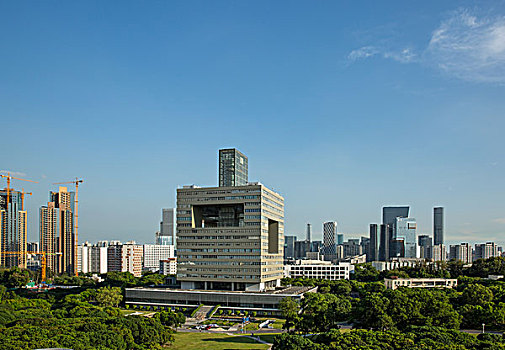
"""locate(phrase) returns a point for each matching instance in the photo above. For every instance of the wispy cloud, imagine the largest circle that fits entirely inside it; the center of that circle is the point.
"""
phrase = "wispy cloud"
(464, 45)
(405, 55)
(13, 173)
(499, 220)
(469, 47)
(362, 52)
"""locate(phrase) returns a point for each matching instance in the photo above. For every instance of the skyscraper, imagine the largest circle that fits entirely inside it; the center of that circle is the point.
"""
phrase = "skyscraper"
(405, 237)
(13, 222)
(374, 244)
(233, 168)
(330, 240)
(57, 231)
(389, 214)
(384, 243)
(309, 232)
(438, 225)
(166, 235)
(289, 247)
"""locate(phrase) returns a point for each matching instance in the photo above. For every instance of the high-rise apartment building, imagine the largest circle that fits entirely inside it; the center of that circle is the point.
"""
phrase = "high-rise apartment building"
(374, 243)
(166, 235)
(56, 231)
(486, 250)
(230, 238)
(154, 253)
(439, 252)
(340, 238)
(13, 230)
(233, 168)
(330, 240)
(438, 225)
(462, 252)
(125, 257)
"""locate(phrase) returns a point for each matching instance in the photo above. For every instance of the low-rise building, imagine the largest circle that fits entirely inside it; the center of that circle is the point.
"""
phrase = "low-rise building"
(393, 283)
(319, 269)
(168, 266)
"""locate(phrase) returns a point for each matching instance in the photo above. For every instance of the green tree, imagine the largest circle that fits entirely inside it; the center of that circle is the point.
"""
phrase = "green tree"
(109, 296)
(289, 309)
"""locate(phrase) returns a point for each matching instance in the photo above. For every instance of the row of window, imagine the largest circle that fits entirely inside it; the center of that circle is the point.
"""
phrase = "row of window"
(226, 250)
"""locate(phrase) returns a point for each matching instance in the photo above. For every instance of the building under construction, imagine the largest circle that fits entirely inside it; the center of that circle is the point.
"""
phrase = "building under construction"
(13, 229)
(57, 231)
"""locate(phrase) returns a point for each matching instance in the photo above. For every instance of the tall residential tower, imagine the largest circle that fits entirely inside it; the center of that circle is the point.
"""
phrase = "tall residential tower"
(13, 221)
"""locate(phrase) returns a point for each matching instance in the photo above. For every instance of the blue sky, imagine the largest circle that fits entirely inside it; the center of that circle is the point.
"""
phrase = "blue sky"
(342, 107)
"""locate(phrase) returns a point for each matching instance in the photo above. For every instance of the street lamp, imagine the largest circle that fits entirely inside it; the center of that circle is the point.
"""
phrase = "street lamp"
(483, 325)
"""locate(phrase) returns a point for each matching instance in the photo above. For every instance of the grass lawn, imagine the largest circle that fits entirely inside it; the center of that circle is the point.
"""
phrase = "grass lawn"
(269, 338)
(217, 341)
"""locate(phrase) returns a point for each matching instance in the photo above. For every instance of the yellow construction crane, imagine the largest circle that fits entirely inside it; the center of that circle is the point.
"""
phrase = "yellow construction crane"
(43, 262)
(76, 182)
(23, 198)
(9, 177)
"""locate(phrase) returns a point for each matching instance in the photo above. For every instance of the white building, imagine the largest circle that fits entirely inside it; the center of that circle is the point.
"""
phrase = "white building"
(168, 266)
(393, 283)
(319, 269)
(98, 259)
(154, 253)
(439, 252)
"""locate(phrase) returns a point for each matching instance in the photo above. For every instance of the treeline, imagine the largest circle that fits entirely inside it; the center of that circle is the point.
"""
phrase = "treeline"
(79, 319)
(371, 305)
(452, 269)
(414, 338)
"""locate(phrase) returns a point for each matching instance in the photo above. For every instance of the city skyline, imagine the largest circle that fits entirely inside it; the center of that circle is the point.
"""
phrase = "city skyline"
(341, 108)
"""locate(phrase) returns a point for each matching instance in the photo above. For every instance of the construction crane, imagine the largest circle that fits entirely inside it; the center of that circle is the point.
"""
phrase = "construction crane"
(76, 182)
(9, 177)
(43, 261)
(23, 198)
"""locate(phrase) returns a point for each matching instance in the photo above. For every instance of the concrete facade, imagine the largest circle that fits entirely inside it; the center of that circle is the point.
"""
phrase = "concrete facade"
(230, 238)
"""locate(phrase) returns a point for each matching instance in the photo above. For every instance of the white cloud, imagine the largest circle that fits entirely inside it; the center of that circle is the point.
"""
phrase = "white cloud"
(406, 55)
(469, 48)
(363, 52)
(12, 173)
(499, 220)
(464, 46)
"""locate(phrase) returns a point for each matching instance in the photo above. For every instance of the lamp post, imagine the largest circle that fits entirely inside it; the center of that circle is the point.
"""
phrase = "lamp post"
(483, 325)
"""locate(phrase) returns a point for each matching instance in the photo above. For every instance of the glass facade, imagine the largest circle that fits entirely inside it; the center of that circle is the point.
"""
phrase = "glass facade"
(233, 168)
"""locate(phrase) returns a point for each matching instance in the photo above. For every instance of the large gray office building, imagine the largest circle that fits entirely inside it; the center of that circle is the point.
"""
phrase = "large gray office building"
(230, 237)
(438, 225)
(233, 168)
